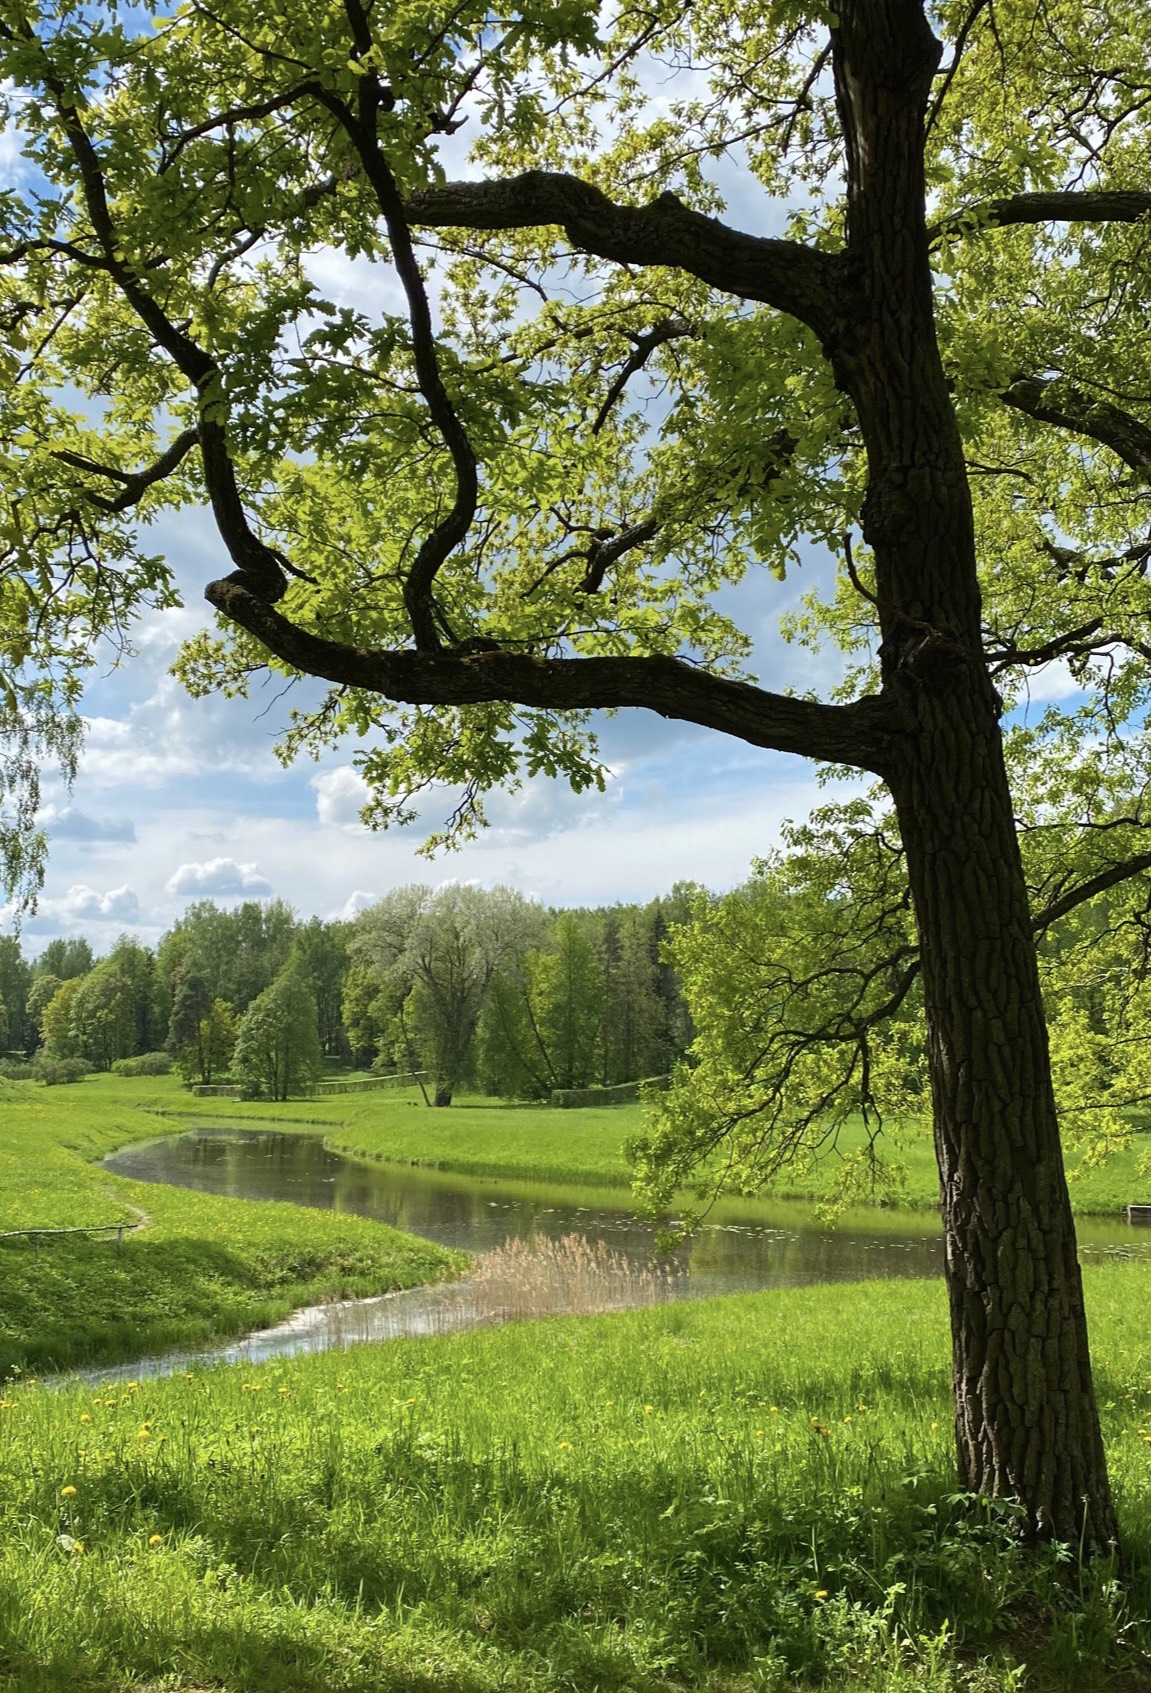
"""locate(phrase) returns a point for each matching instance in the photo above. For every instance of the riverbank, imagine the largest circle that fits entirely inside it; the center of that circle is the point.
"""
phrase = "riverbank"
(208, 1267)
(485, 1137)
(725, 1497)
(202, 1267)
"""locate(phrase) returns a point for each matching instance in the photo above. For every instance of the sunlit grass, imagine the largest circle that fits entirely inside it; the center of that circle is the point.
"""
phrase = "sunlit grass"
(752, 1493)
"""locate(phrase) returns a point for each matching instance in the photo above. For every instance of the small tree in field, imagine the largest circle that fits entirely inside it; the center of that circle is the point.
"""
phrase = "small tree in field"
(277, 1049)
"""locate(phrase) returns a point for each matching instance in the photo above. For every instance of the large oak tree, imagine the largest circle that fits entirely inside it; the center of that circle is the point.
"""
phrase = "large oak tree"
(482, 513)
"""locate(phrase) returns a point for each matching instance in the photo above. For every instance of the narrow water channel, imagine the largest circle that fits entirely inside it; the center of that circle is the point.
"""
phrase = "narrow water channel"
(739, 1249)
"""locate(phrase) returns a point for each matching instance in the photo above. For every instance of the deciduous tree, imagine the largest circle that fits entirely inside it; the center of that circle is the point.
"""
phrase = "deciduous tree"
(466, 518)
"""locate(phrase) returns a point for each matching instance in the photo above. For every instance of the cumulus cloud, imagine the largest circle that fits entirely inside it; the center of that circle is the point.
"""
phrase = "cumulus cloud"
(69, 824)
(82, 905)
(341, 795)
(218, 876)
(356, 902)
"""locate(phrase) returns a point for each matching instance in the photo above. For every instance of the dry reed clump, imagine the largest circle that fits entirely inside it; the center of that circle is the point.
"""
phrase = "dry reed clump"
(540, 1277)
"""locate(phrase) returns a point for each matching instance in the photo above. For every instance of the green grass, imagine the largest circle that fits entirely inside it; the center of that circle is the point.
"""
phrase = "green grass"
(201, 1266)
(722, 1496)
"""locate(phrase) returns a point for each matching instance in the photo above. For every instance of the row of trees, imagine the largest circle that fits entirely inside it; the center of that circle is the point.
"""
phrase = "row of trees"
(469, 985)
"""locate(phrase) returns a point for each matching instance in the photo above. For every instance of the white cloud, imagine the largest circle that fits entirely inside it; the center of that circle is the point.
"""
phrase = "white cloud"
(219, 876)
(341, 794)
(81, 906)
(356, 902)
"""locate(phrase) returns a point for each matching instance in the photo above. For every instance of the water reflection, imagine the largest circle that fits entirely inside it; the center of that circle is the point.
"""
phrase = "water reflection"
(741, 1248)
(784, 1247)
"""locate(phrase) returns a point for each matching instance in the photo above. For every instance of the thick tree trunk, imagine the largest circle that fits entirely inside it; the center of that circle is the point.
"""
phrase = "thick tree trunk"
(1026, 1425)
(1025, 1416)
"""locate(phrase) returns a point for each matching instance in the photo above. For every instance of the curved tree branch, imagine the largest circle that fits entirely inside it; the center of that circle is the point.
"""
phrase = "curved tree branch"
(861, 734)
(1068, 406)
(794, 278)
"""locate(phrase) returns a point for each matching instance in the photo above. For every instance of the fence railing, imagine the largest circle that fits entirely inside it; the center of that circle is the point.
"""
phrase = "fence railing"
(87, 1228)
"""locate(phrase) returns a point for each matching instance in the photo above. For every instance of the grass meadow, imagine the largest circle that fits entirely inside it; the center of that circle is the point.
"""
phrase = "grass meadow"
(748, 1495)
(720, 1496)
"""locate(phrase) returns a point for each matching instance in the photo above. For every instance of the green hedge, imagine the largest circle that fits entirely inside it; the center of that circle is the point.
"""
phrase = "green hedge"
(623, 1093)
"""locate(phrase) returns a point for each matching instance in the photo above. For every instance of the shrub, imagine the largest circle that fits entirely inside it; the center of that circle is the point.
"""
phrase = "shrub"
(621, 1093)
(53, 1071)
(144, 1064)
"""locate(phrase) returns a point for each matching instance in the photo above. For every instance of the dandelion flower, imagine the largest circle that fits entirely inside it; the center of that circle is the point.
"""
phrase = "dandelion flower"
(155, 1540)
(67, 1493)
(84, 1417)
(648, 1410)
(566, 1446)
(821, 1593)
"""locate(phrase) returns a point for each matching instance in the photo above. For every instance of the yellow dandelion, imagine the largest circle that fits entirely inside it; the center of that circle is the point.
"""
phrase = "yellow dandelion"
(566, 1446)
(77, 1548)
(84, 1417)
(821, 1593)
(935, 1428)
(67, 1493)
(155, 1540)
(648, 1410)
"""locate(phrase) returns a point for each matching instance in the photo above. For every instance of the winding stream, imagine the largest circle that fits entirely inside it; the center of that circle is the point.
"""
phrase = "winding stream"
(742, 1247)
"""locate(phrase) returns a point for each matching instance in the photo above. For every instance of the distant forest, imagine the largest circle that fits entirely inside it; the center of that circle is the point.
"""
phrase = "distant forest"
(476, 988)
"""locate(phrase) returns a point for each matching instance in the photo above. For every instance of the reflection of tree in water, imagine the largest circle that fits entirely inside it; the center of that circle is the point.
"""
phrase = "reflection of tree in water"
(480, 1215)
(770, 1257)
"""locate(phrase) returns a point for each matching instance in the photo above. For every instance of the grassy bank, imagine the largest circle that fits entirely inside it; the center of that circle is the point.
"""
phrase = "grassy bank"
(195, 1266)
(484, 1137)
(722, 1496)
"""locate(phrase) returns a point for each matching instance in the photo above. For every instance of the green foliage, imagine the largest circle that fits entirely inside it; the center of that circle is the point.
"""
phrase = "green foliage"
(55, 1069)
(144, 1064)
(431, 957)
(277, 1048)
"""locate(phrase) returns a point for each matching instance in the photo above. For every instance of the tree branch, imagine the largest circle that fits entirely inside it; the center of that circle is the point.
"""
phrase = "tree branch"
(860, 734)
(135, 482)
(1087, 205)
(1109, 878)
(1068, 406)
(671, 329)
(794, 278)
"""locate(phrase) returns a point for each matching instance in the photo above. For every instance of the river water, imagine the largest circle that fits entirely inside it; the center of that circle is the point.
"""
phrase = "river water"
(743, 1246)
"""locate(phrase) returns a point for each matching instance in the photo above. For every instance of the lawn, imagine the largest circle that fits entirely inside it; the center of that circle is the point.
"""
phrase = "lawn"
(722, 1496)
